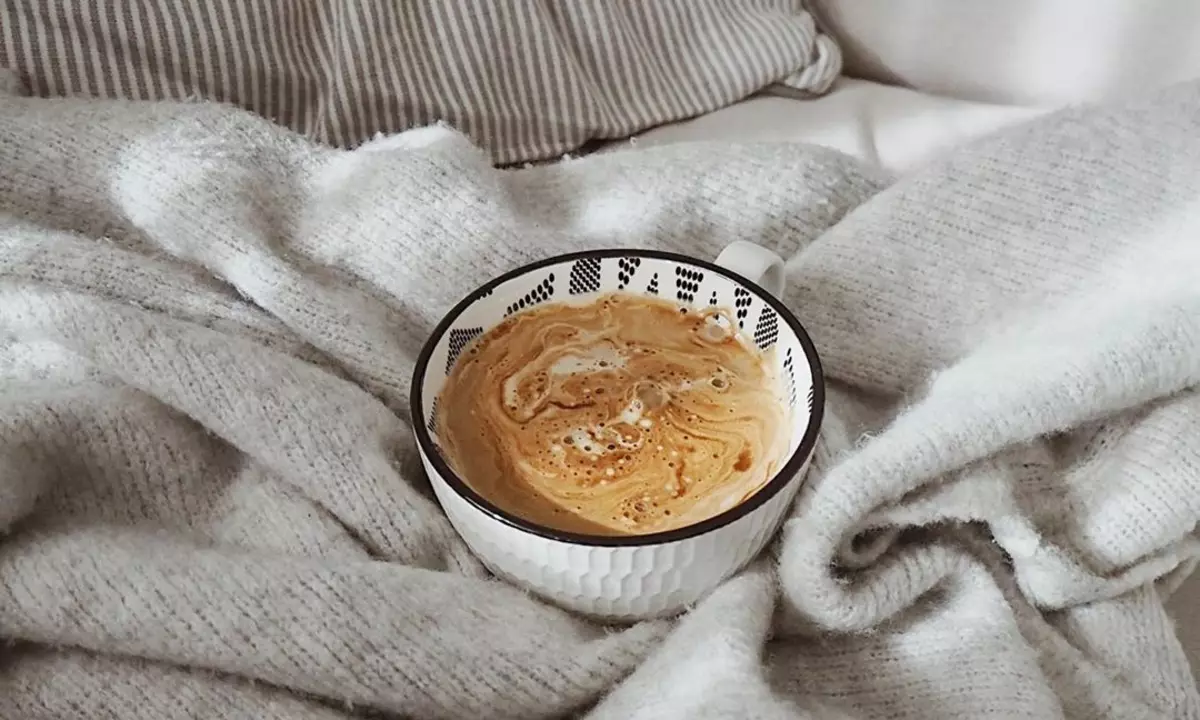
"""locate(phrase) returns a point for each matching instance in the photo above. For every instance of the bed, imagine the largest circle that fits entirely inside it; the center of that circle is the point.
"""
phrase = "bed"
(210, 500)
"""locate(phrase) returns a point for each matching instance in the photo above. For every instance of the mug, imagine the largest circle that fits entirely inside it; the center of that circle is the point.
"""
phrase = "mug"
(628, 577)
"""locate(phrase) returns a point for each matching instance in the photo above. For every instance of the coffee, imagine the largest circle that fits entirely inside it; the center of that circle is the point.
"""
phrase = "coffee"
(626, 415)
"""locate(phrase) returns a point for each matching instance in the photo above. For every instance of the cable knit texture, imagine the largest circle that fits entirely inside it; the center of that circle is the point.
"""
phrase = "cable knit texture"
(211, 504)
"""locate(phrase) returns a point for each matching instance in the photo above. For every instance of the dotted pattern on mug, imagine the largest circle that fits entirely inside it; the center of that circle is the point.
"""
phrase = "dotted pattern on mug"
(652, 288)
(687, 283)
(741, 303)
(791, 378)
(767, 331)
(431, 425)
(713, 300)
(626, 267)
(585, 276)
(459, 339)
(540, 294)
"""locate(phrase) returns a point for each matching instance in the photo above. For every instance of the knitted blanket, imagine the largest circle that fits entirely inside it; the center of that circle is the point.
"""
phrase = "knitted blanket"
(211, 504)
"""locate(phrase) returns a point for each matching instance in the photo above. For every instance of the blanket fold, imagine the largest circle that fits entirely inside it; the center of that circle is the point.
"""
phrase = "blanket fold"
(211, 504)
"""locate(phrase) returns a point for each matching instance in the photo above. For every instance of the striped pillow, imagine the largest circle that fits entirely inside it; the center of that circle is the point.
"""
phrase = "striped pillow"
(526, 80)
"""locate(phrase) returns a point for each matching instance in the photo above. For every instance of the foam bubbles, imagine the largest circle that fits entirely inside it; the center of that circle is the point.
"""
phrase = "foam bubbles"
(594, 359)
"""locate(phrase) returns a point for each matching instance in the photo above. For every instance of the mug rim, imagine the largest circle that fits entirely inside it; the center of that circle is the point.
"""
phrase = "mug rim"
(779, 480)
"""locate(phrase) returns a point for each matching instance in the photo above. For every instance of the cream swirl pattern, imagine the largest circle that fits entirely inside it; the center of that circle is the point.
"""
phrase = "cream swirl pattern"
(625, 415)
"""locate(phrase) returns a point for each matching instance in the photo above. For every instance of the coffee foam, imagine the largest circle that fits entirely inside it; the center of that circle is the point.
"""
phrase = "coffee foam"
(622, 416)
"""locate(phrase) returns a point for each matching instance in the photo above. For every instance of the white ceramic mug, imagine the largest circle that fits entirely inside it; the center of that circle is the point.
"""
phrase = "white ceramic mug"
(628, 577)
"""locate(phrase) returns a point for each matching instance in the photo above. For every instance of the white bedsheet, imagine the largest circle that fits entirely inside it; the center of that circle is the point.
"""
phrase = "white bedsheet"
(890, 126)
(897, 129)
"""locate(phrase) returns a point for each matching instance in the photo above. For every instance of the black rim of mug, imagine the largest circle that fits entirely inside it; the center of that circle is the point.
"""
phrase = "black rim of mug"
(779, 481)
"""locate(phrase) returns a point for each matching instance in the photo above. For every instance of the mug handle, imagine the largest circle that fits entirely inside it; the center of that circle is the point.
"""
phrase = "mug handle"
(755, 263)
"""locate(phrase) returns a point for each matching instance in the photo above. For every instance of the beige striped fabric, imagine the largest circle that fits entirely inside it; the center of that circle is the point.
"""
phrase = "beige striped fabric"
(526, 80)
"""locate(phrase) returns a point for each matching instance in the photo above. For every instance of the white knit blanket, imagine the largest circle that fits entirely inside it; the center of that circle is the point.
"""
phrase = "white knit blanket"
(211, 505)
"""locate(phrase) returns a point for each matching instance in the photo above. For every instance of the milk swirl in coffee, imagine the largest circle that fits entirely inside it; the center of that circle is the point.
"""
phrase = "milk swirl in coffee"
(622, 416)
